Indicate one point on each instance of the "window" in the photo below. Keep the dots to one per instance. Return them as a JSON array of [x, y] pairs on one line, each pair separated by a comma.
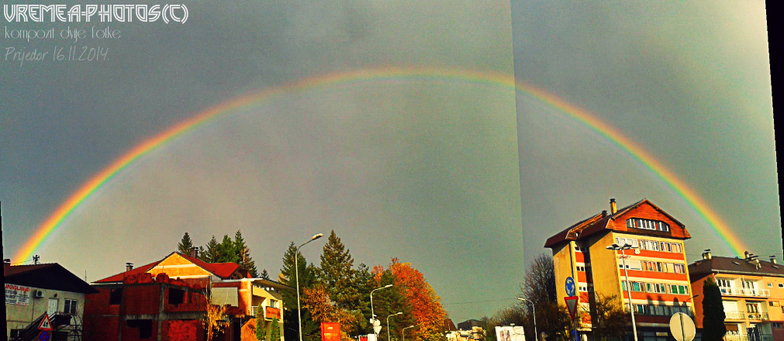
[[776, 324], [647, 224], [770, 285], [144, 326], [115, 296], [781, 285], [636, 286], [70, 307], [176, 296]]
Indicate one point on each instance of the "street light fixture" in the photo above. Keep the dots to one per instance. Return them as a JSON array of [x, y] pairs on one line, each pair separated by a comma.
[[397, 313], [404, 331], [372, 312], [626, 246], [296, 271], [536, 337]]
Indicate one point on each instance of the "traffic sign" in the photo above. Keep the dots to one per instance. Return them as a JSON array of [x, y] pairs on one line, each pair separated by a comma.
[[682, 327], [44, 335], [45, 323], [570, 287], [571, 303]]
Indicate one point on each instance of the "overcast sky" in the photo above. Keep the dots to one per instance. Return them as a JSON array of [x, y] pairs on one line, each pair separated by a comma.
[[462, 180]]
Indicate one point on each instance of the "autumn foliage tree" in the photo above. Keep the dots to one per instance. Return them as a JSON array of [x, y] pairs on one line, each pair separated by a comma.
[[423, 302]]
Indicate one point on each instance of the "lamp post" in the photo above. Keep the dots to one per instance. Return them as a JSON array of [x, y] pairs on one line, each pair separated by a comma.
[[615, 248], [296, 271], [536, 337], [397, 313], [372, 312], [404, 331]]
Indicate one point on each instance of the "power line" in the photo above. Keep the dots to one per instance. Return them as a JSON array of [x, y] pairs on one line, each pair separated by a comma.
[[468, 302]]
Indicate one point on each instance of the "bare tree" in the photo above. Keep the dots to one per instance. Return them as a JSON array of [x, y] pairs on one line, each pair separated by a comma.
[[539, 286]]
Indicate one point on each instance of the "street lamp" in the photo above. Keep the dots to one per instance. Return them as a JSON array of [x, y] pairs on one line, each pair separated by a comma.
[[536, 337], [404, 331], [296, 271], [615, 248], [372, 312], [397, 313]]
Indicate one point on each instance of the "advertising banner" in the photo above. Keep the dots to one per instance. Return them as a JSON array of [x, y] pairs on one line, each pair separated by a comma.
[[510, 333], [330, 331], [17, 294]]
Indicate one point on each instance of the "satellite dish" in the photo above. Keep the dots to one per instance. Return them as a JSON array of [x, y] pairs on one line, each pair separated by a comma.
[[682, 327]]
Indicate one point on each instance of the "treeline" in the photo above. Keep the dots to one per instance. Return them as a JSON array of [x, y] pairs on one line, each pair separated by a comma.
[[337, 291], [227, 251]]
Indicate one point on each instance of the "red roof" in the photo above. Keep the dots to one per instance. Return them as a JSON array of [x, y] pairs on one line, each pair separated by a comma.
[[601, 222], [222, 270]]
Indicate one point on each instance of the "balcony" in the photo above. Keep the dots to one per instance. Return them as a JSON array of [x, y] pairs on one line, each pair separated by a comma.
[[735, 315], [758, 316], [725, 291]]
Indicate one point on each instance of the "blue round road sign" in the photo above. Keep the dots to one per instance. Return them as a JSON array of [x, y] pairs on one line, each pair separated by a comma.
[[570, 287], [43, 336]]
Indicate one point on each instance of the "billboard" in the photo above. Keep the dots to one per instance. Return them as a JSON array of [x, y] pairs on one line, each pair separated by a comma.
[[330, 331], [510, 333], [17, 294]]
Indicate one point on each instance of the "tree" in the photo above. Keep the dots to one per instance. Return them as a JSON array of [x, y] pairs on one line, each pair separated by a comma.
[[540, 281], [264, 274], [539, 288], [227, 251], [713, 312], [243, 254], [275, 330], [336, 272], [425, 305], [307, 279], [211, 254], [185, 244], [610, 319], [213, 318], [261, 332]]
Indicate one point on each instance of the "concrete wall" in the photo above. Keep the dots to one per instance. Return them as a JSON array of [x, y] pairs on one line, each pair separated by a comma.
[[20, 316]]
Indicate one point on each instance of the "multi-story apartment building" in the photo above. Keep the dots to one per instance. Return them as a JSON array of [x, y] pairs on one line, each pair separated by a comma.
[[656, 266], [752, 293]]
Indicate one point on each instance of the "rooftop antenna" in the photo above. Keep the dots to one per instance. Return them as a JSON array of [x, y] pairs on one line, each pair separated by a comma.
[[36, 258]]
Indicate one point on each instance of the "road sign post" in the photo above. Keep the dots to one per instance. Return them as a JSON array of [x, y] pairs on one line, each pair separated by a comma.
[[45, 324], [682, 327]]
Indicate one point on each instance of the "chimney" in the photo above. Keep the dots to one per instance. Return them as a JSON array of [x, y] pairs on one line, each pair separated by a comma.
[[707, 254], [613, 206], [604, 213], [7, 261], [128, 266], [773, 259], [195, 252], [746, 254]]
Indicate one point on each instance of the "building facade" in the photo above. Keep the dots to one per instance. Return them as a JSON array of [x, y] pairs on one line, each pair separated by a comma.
[[752, 293], [656, 266], [34, 290], [168, 300]]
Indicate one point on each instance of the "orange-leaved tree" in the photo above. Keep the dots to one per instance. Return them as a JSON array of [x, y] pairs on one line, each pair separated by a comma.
[[423, 302]]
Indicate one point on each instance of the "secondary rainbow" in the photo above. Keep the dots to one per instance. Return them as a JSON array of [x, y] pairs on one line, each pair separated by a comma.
[[381, 75]]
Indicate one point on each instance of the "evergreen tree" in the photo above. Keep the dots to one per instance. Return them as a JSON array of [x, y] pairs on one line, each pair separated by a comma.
[[275, 330], [713, 312], [337, 273], [307, 279], [212, 254], [185, 244], [227, 251], [261, 332], [264, 274], [243, 253]]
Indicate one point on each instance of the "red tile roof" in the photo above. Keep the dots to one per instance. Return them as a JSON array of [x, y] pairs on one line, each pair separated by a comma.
[[222, 270], [600, 223]]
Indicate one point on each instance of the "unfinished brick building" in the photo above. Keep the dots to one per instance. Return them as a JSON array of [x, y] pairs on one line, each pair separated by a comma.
[[167, 300]]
